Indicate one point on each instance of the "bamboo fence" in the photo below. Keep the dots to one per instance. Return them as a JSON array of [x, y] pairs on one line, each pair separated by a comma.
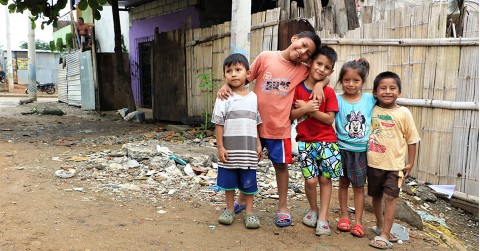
[[439, 75]]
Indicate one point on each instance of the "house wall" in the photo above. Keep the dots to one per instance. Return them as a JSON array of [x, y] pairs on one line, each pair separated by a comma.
[[104, 30], [144, 30], [159, 7]]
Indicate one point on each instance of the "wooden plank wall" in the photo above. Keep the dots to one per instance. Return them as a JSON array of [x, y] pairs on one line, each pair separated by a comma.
[[448, 152], [206, 48]]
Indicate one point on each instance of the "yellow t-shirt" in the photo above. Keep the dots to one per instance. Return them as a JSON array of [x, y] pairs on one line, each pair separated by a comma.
[[391, 131]]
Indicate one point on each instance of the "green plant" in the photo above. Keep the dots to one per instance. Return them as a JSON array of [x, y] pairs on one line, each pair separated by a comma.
[[69, 40], [207, 86], [52, 46], [124, 47], [59, 44]]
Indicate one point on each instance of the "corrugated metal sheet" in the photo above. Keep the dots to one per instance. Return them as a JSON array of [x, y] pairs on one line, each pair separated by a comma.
[[62, 86], [86, 79], [74, 95]]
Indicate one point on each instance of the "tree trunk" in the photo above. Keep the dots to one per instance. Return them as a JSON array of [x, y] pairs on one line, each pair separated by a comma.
[[122, 78]]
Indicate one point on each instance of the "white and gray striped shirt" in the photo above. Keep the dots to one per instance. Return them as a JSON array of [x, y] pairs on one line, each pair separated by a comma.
[[240, 118]]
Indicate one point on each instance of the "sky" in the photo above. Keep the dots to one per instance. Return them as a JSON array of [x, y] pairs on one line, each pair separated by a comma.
[[19, 29]]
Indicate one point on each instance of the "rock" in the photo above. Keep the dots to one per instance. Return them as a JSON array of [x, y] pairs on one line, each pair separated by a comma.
[[406, 214], [139, 151], [425, 194]]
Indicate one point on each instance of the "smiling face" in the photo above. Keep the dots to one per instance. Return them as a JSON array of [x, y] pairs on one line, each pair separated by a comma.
[[321, 68], [352, 82], [300, 49], [236, 75], [387, 93]]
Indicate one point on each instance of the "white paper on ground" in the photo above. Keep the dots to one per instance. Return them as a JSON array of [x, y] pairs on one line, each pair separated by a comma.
[[444, 189]]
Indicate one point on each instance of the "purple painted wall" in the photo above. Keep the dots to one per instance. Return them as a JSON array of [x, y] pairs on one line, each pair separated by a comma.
[[144, 30]]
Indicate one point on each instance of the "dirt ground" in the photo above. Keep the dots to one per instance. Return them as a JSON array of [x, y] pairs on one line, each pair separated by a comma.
[[39, 211]]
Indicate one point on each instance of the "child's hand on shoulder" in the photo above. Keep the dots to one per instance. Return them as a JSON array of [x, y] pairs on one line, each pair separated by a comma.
[[224, 92], [222, 154]]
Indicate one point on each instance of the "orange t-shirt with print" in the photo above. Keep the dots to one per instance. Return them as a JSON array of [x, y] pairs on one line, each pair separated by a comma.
[[276, 79]]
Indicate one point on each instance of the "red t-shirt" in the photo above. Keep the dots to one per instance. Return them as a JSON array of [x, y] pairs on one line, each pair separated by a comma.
[[310, 129], [276, 79]]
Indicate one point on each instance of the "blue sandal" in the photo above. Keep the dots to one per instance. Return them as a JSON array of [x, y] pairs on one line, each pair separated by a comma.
[[237, 208], [283, 220]]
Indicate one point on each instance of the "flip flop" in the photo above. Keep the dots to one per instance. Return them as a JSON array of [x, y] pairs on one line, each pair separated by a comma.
[[344, 224], [283, 220], [388, 245], [357, 230], [393, 237], [237, 208]]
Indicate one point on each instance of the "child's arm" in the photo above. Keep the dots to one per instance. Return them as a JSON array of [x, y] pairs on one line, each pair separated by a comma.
[[259, 147], [317, 93], [412, 150], [222, 153], [302, 107], [324, 117]]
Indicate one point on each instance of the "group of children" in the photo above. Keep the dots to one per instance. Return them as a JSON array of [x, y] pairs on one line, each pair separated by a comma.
[[370, 138]]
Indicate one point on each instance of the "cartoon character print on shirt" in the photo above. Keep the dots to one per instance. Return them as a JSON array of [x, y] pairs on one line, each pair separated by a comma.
[[381, 128], [355, 125], [275, 86]]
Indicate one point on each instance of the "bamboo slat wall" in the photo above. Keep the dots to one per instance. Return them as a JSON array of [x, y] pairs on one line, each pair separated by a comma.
[[407, 41], [448, 151], [206, 48]]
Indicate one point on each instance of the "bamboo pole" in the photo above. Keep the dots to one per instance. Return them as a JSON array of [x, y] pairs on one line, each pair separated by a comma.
[[404, 42], [450, 105]]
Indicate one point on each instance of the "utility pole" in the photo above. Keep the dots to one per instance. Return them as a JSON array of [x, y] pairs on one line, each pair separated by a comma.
[[240, 27], [9, 70], [32, 70]]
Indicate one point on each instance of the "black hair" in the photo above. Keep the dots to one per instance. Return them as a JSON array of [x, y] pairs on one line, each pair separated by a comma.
[[313, 36], [385, 75], [236, 58], [81, 18], [327, 51], [360, 65]]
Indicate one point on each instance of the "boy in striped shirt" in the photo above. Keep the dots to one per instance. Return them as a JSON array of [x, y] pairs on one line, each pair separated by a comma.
[[236, 120]]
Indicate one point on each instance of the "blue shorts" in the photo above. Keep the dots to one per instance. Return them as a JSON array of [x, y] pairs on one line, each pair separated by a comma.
[[279, 150], [355, 167], [244, 180], [320, 159]]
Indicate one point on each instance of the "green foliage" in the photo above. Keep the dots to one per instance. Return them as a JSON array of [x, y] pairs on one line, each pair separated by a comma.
[[69, 40], [39, 45], [52, 46], [207, 86], [124, 47], [50, 10], [59, 44]]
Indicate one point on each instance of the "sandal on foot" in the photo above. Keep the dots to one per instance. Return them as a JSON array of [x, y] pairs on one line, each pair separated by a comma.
[[378, 232], [310, 219], [357, 230], [283, 220], [377, 239], [227, 217], [252, 221], [237, 208], [322, 228], [344, 224]]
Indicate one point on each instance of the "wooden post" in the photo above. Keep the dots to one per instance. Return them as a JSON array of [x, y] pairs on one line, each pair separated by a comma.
[[240, 27], [318, 15]]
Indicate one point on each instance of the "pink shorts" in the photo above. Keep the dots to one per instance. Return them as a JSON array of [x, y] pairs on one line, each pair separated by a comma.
[[279, 150]]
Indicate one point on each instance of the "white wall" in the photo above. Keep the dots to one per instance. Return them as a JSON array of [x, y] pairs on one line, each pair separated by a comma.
[[104, 29]]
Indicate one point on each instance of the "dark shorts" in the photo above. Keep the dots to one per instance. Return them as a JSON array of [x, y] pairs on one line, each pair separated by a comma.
[[279, 150], [382, 181], [354, 167], [244, 180]]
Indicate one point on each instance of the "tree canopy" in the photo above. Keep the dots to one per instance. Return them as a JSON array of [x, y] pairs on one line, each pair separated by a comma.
[[39, 45], [51, 11]]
